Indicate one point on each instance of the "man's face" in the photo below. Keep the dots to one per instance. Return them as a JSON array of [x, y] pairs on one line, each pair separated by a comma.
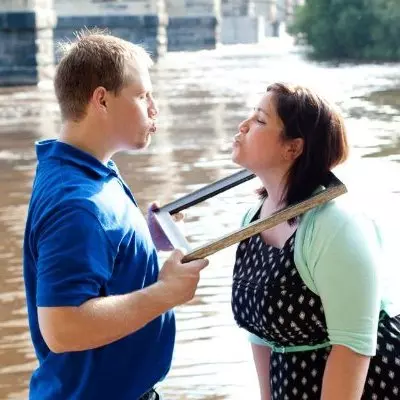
[[133, 111]]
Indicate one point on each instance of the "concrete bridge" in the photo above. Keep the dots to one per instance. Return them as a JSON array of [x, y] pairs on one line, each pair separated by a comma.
[[31, 29]]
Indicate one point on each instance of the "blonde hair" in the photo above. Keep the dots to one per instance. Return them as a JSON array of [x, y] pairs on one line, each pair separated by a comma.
[[94, 59]]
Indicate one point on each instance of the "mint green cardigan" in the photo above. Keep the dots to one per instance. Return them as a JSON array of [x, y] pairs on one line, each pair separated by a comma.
[[339, 254]]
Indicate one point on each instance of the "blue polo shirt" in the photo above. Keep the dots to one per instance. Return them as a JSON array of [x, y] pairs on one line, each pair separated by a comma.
[[85, 237]]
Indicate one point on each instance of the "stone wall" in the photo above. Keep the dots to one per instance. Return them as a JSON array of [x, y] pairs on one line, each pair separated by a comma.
[[247, 21], [193, 24], [100, 7], [192, 33], [27, 27], [242, 30], [26, 41], [143, 30], [236, 8], [139, 21], [192, 8]]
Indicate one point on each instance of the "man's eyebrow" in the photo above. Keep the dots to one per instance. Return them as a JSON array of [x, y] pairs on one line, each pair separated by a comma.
[[143, 91]]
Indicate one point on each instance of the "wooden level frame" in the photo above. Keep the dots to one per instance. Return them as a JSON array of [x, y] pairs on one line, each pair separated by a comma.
[[164, 214]]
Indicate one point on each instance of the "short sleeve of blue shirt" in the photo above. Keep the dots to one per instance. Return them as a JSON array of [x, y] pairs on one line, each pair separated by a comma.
[[75, 258]]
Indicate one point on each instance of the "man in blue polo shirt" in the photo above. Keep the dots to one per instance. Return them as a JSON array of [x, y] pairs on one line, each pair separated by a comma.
[[99, 309]]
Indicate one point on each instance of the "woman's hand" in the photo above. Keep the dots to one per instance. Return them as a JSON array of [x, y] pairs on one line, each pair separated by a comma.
[[160, 240]]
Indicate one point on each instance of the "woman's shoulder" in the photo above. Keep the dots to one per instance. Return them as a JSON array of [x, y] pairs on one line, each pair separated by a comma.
[[341, 226], [328, 219], [367, 215], [353, 225]]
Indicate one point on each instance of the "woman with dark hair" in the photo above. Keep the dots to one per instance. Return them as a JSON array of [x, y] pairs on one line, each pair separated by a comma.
[[309, 291]]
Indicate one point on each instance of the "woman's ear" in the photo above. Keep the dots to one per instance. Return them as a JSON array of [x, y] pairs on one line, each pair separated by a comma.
[[295, 149]]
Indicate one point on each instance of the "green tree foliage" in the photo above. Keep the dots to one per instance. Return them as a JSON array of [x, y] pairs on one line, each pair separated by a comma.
[[350, 29]]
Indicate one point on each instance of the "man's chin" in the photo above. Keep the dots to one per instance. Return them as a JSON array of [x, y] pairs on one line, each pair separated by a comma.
[[141, 145]]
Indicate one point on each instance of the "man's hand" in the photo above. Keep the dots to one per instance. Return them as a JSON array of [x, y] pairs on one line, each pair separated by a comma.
[[160, 240], [180, 279]]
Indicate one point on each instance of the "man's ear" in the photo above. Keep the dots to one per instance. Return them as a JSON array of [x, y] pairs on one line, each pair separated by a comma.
[[295, 149], [99, 99]]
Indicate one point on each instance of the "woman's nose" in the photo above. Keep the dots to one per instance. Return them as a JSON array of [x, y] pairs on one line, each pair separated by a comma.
[[244, 126]]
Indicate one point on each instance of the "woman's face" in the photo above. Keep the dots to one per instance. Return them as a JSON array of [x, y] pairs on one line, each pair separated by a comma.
[[258, 146]]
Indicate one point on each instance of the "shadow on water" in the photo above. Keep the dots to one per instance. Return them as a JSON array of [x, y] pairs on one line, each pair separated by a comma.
[[389, 97], [202, 97]]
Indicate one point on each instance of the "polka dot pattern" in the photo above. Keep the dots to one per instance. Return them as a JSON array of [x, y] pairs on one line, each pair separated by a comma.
[[270, 299]]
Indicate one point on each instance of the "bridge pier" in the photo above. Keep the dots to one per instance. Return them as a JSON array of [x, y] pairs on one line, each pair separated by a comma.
[[26, 41], [246, 21], [142, 21], [284, 14], [193, 24], [31, 29]]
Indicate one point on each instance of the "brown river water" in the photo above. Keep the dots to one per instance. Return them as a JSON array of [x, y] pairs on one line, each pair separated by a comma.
[[202, 97]]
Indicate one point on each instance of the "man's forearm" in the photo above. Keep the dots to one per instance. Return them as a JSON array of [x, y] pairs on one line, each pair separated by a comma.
[[345, 374], [103, 320]]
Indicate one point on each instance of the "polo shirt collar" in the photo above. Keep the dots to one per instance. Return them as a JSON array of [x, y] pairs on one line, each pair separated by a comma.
[[52, 148]]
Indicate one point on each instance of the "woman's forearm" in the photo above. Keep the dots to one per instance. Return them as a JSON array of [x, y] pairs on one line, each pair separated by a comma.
[[261, 356], [344, 375]]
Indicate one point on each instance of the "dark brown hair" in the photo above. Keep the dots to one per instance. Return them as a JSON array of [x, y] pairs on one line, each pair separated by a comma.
[[308, 116], [94, 59]]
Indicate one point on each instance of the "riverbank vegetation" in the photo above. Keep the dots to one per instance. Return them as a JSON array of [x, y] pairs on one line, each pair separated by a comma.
[[353, 30]]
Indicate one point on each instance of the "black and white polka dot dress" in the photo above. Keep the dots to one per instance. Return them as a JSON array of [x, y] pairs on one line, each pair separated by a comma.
[[270, 300]]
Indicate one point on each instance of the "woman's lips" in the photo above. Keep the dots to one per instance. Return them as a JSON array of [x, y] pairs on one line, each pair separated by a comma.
[[236, 140]]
